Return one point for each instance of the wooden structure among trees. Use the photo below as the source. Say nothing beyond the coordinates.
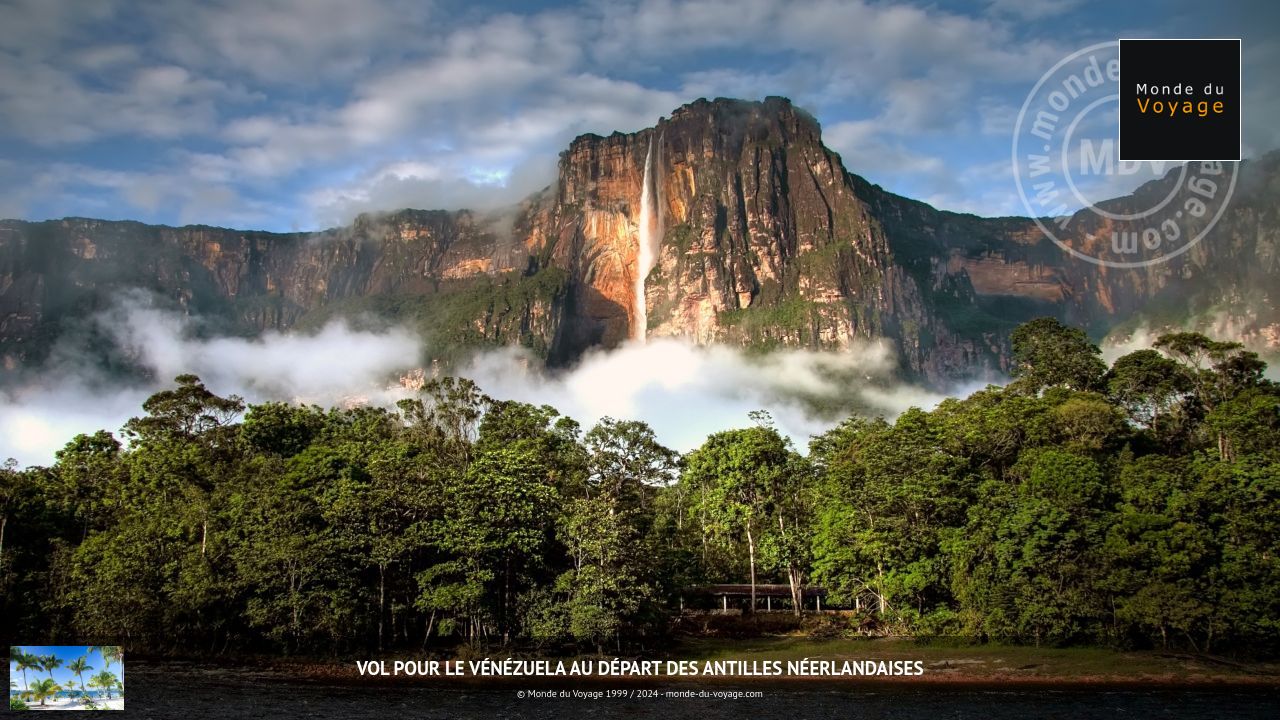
(729, 596)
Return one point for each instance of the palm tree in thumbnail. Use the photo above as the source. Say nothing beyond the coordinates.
(50, 663)
(44, 689)
(104, 680)
(109, 653)
(79, 666)
(24, 661)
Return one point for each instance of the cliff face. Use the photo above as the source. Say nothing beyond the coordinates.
(459, 273)
(757, 235)
(765, 240)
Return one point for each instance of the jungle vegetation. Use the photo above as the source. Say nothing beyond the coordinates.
(1136, 505)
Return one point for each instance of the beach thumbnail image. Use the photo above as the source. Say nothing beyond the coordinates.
(66, 677)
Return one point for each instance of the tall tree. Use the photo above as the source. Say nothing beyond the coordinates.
(105, 680)
(493, 536)
(626, 461)
(79, 666)
(1047, 353)
(23, 661)
(888, 494)
(739, 474)
(49, 663)
(1147, 385)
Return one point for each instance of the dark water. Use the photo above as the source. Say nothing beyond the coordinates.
(194, 694)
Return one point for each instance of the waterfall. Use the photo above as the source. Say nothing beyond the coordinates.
(650, 237)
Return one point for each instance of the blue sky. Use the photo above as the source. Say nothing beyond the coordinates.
(64, 677)
(297, 114)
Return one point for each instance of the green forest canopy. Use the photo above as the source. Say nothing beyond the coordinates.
(1130, 506)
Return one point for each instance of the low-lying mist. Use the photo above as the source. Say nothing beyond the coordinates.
(683, 390)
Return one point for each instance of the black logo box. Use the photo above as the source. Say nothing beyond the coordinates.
(1186, 64)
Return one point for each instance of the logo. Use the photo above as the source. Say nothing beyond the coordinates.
(1180, 99)
(1082, 196)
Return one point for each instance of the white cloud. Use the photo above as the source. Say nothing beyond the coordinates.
(656, 383)
(73, 397)
(417, 184)
(49, 105)
(303, 100)
(37, 29)
(980, 189)
(293, 42)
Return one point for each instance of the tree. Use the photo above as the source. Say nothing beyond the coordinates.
(1144, 511)
(44, 689)
(1147, 385)
(79, 666)
(1087, 423)
(105, 680)
(1233, 371)
(738, 474)
(1195, 349)
(494, 534)
(289, 565)
(607, 588)
(993, 426)
(109, 653)
(1248, 423)
(1240, 497)
(185, 441)
(1231, 368)
(1158, 552)
(888, 494)
(9, 479)
(446, 416)
(790, 547)
(49, 663)
(189, 410)
(23, 661)
(1047, 353)
(1027, 559)
(280, 428)
(627, 461)
(384, 513)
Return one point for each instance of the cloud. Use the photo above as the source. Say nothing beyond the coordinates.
(423, 185)
(1237, 324)
(294, 42)
(659, 381)
(74, 396)
(893, 40)
(294, 111)
(865, 149)
(51, 106)
(42, 28)
(806, 391)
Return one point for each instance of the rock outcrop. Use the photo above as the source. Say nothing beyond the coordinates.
(765, 239)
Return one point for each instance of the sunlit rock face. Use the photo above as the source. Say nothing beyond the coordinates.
(764, 241)
(758, 236)
(767, 240)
